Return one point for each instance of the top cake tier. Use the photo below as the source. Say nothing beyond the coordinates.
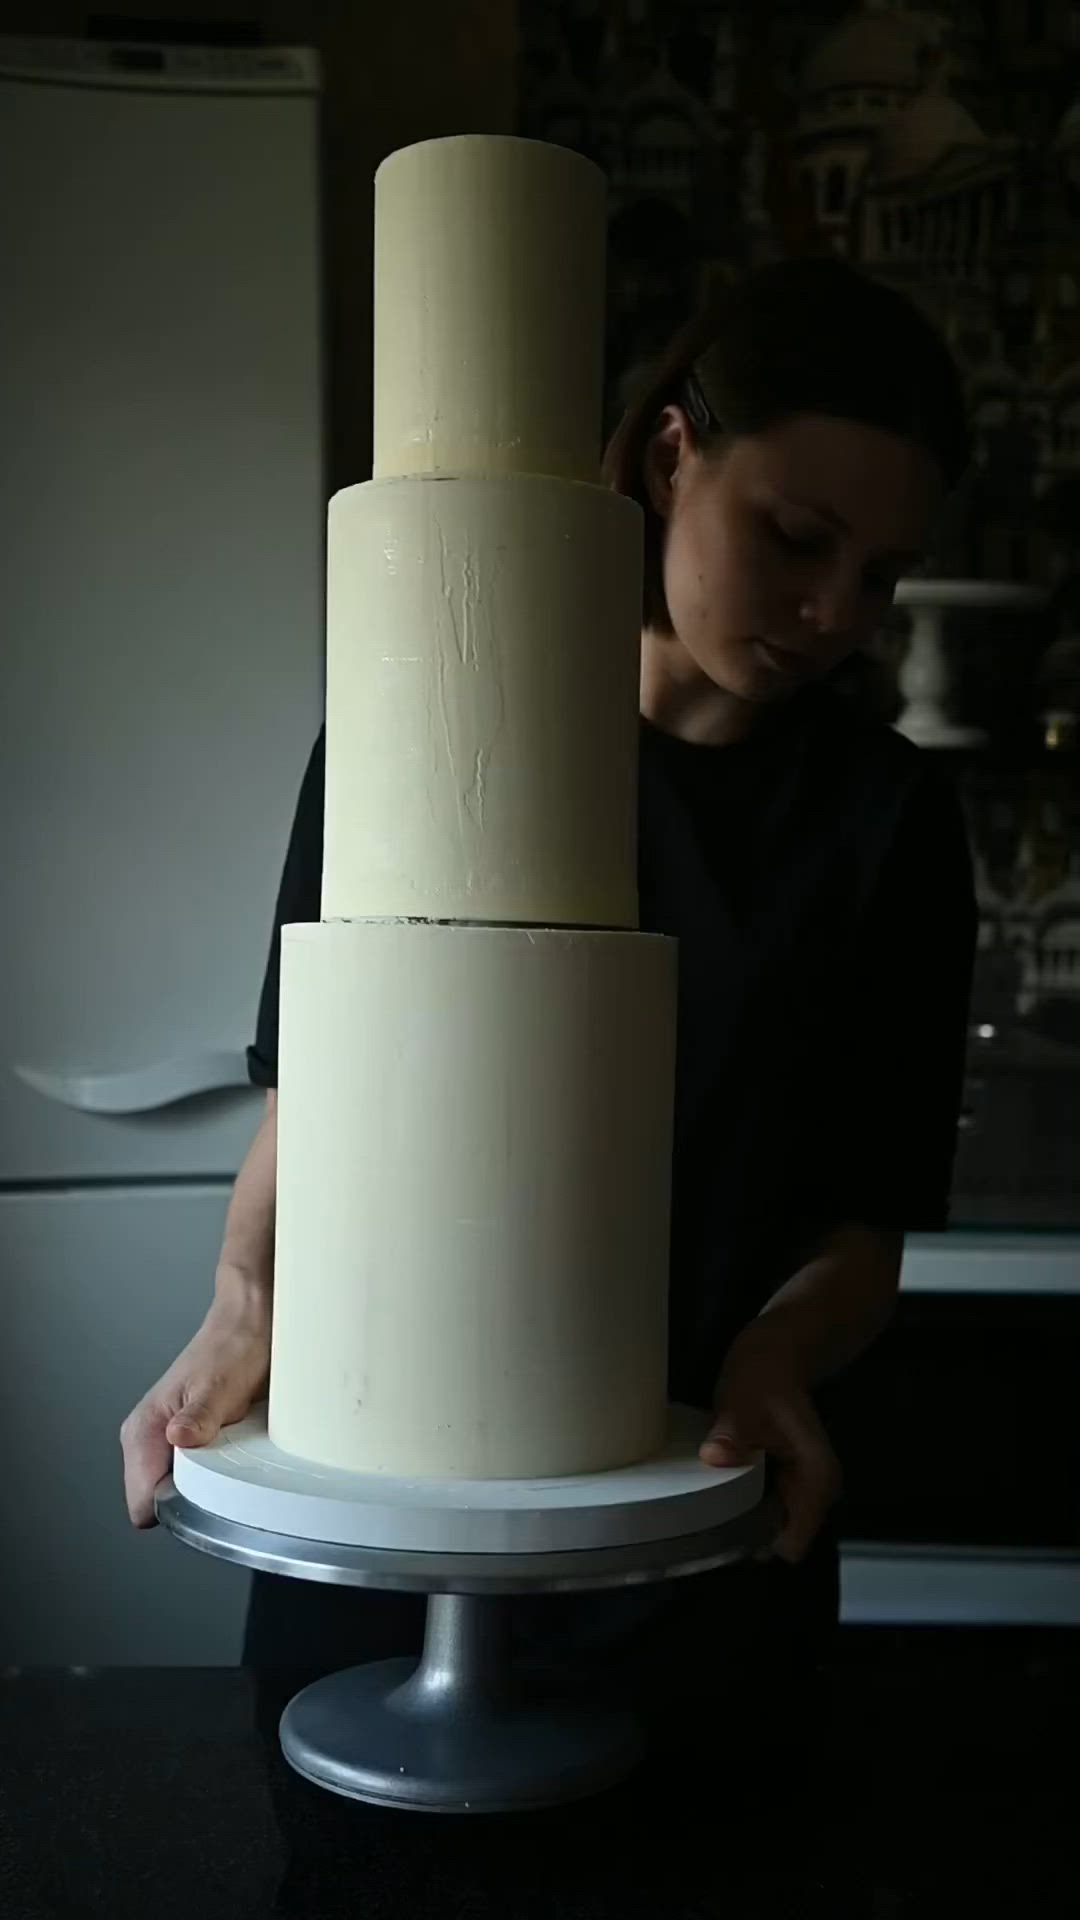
(489, 272)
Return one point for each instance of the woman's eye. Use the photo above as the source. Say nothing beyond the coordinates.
(799, 539)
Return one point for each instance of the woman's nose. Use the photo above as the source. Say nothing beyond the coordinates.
(834, 603)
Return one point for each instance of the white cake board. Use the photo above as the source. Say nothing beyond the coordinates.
(241, 1476)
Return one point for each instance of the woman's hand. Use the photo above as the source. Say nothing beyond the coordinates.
(215, 1381)
(763, 1403)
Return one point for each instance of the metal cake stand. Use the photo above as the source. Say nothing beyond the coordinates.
(465, 1730)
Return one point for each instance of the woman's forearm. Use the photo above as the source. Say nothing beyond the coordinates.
(836, 1305)
(247, 1249)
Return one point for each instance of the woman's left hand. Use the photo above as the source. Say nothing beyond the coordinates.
(763, 1403)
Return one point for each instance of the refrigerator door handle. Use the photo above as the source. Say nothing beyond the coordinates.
(141, 1089)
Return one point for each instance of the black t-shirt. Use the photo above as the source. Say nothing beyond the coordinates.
(818, 880)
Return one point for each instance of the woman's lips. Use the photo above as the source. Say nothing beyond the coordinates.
(782, 659)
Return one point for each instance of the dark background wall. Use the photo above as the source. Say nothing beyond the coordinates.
(939, 147)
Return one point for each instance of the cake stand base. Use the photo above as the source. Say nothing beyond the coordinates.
(463, 1732)
(468, 1730)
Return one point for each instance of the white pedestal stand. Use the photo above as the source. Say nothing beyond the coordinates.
(924, 676)
(464, 1731)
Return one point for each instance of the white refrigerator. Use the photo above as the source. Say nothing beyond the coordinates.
(161, 593)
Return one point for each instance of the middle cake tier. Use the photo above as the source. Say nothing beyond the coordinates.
(474, 1162)
(483, 650)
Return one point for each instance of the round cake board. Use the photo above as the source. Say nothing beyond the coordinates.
(241, 1476)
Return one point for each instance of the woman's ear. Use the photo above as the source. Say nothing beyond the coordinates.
(669, 448)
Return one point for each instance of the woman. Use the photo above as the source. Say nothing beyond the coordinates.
(790, 455)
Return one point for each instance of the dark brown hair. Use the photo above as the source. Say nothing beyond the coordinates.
(800, 336)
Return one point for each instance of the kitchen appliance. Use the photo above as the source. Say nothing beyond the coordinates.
(162, 566)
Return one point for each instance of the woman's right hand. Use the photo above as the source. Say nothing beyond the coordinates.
(222, 1371)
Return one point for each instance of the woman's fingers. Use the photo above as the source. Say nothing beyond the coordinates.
(212, 1383)
(147, 1459)
(726, 1444)
(807, 1471)
(195, 1423)
(808, 1481)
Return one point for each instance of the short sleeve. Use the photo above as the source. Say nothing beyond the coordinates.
(299, 898)
(901, 1085)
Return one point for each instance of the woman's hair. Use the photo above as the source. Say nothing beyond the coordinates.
(800, 336)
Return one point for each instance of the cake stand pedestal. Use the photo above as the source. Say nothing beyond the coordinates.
(466, 1730)
(926, 675)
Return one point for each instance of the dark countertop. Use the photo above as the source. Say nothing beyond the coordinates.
(940, 1776)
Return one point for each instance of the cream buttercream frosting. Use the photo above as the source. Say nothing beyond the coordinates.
(474, 1119)
(489, 288)
(472, 1237)
(482, 701)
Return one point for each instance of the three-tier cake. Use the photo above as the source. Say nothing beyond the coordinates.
(476, 1044)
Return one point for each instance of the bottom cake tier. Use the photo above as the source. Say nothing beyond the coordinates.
(473, 1181)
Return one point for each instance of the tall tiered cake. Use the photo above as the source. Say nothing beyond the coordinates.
(476, 1045)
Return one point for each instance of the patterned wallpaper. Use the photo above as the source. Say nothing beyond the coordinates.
(939, 148)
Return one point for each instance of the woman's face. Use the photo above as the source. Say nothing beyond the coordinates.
(783, 548)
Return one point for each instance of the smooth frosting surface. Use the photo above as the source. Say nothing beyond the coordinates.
(483, 645)
(475, 1110)
(474, 1148)
(489, 290)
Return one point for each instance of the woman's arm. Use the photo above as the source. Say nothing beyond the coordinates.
(246, 1261)
(816, 1323)
(225, 1366)
(836, 1305)
(899, 1080)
